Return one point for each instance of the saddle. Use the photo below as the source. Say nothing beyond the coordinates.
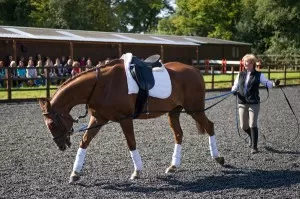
(141, 72)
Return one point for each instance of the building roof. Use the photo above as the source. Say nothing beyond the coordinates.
(15, 32)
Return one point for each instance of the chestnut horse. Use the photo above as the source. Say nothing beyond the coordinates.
(105, 91)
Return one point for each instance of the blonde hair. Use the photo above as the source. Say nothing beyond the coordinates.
(39, 63)
(13, 64)
(252, 58)
(76, 64)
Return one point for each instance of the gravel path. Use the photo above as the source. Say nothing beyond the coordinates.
(32, 167)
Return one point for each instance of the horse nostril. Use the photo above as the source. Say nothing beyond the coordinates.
(62, 148)
(68, 142)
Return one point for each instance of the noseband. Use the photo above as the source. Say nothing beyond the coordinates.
(63, 128)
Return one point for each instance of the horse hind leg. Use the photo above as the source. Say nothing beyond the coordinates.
(177, 131)
(203, 123)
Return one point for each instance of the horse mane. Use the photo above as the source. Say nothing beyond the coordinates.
(101, 66)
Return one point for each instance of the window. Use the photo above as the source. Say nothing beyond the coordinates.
(235, 52)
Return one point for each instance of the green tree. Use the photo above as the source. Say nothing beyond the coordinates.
(248, 28)
(74, 14)
(271, 25)
(213, 18)
(140, 15)
(15, 12)
(280, 18)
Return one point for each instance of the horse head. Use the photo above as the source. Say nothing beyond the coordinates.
(59, 124)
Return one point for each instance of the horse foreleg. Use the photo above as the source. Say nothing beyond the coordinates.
(127, 127)
(81, 153)
(177, 131)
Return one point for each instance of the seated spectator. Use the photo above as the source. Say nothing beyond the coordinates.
(63, 60)
(89, 64)
(107, 60)
(60, 70)
(40, 72)
(99, 64)
(76, 68)
(68, 68)
(2, 74)
(39, 58)
(51, 70)
(13, 72)
(31, 73)
(21, 72)
(82, 63)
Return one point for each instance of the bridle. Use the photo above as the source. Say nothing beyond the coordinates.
(62, 127)
(58, 116)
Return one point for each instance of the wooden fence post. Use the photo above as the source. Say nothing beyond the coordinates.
(269, 75)
(284, 75)
(232, 75)
(206, 65)
(212, 76)
(8, 74)
(48, 83)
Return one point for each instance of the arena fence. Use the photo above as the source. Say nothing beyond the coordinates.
(217, 75)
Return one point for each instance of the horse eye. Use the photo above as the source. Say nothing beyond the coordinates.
(51, 124)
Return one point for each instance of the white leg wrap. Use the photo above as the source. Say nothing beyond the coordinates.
(79, 160)
(213, 147)
(137, 160)
(176, 155)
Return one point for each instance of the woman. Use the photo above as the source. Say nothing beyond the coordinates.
(21, 72)
(40, 73)
(3, 74)
(76, 68)
(31, 72)
(246, 87)
(49, 67)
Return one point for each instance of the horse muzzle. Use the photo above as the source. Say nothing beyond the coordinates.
(63, 143)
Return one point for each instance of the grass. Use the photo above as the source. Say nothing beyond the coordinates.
(274, 74)
(29, 92)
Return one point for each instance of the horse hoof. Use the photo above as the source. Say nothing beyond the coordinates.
(254, 151)
(220, 160)
(135, 175)
(171, 169)
(74, 177)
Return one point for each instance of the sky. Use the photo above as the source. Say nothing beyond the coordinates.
(163, 13)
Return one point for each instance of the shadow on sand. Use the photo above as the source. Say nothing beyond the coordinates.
(233, 178)
(271, 149)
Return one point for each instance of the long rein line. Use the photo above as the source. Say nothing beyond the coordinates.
(88, 99)
(264, 137)
(297, 121)
(147, 112)
(237, 113)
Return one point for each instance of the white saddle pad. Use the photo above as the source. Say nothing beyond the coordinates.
(162, 88)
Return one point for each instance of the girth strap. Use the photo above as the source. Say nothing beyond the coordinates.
(141, 72)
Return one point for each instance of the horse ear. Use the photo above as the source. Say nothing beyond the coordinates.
(42, 103)
(45, 104)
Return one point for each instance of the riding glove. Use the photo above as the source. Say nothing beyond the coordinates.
(276, 82)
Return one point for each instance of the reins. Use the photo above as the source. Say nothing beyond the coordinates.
(61, 125)
(297, 121)
(89, 97)
(236, 114)
(263, 135)
(84, 128)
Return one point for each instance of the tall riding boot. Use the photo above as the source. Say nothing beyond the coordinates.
(248, 131)
(254, 136)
